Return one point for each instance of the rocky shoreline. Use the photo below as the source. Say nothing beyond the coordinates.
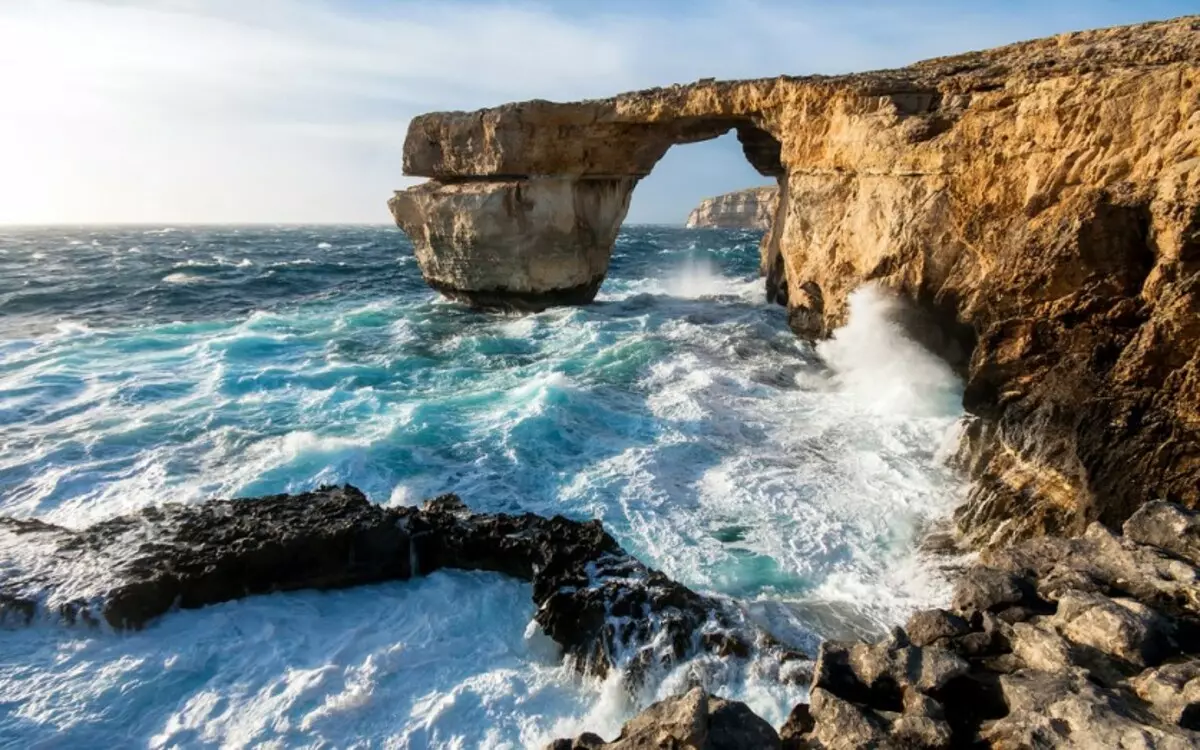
(1092, 642)
(1083, 642)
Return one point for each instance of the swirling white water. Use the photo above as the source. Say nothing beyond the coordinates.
(139, 366)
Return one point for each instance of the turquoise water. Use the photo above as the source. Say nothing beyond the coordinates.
(145, 365)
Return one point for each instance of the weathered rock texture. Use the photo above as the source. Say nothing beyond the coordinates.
(1039, 203)
(695, 720)
(1087, 643)
(753, 208)
(602, 605)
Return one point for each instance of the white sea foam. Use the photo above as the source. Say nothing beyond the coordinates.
(682, 414)
(184, 278)
(879, 366)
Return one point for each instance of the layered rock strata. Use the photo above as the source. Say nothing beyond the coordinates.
(599, 603)
(1038, 203)
(1075, 643)
(752, 208)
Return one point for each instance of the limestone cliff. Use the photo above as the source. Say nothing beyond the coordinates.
(752, 208)
(1038, 203)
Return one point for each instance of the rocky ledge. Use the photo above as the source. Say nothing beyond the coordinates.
(603, 606)
(752, 208)
(1038, 204)
(1092, 642)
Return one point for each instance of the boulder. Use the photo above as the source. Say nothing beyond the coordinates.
(1173, 692)
(1065, 709)
(695, 721)
(1167, 526)
(1040, 648)
(929, 626)
(1100, 561)
(982, 589)
(1122, 628)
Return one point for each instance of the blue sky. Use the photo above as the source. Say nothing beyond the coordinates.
(295, 110)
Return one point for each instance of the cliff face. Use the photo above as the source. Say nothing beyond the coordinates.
(753, 208)
(1039, 204)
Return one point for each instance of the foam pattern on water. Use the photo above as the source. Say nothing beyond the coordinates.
(143, 366)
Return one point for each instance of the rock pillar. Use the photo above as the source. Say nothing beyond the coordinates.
(522, 244)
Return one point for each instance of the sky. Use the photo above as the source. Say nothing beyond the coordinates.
(232, 111)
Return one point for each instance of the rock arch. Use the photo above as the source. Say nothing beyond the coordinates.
(525, 200)
(1038, 203)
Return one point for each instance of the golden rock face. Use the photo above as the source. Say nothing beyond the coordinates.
(1038, 203)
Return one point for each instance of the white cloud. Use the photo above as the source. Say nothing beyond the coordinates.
(295, 110)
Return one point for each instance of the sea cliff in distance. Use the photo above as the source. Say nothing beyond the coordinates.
(751, 208)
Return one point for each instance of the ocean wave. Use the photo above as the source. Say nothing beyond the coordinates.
(185, 278)
(680, 411)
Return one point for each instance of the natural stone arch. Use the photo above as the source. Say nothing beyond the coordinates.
(528, 222)
(1037, 203)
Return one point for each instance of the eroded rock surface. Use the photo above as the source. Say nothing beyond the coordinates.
(602, 605)
(752, 208)
(1038, 203)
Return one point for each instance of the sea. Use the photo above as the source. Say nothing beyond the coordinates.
(146, 365)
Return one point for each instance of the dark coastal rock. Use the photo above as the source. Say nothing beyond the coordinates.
(982, 590)
(598, 602)
(799, 723)
(930, 626)
(695, 720)
(1168, 527)
(1085, 642)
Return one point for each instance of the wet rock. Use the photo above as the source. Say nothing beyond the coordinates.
(696, 720)
(990, 590)
(585, 741)
(800, 723)
(1173, 692)
(879, 675)
(1065, 709)
(929, 626)
(1122, 628)
(1166, 526)
(599, 603)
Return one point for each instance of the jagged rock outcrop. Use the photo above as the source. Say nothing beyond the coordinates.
(1039, 204)
(752, 208)
(602, 605)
